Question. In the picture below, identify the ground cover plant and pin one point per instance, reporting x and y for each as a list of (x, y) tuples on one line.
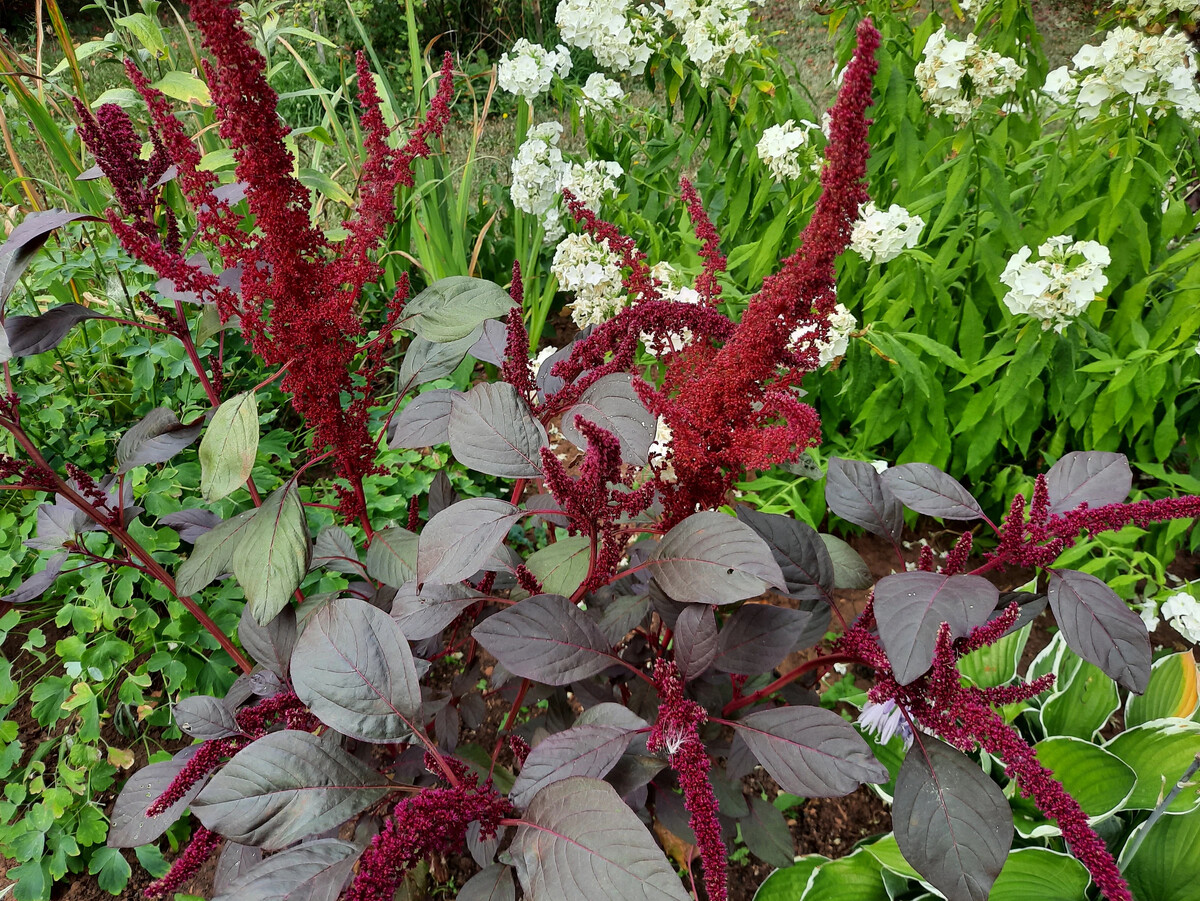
[(609, 592)]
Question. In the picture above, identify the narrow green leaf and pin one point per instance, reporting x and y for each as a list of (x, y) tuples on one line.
[(228, 447), (272, 560)]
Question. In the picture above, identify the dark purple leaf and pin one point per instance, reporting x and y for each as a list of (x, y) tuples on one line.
[(1028, 603), (580, 840), (766, 834), (492, 431), (711, 558), (129, 826), (548, 384), (854, 492), (910, 607), (270, 645), (333, 549), (672, 815), (548, 503), (313, 871), (695, 640), (623, 615), (1100, 627), (285, 786), (456, 542), (191, 523), (802, 557), (492, 883), (90, 174), (952, 822), (425, 361), (492, 344), (730, 797), (928, 490), (453, 307), (235, 861), (589, 750), (1092, 477), (231, 194), (423, 614), (392, 556), (204, 717), (446, 725), (168, 288), (758, 636), (482, 850), (810, 751), (441, 494), (25, 241), (425, 421), (545, 638), (849, 569), (611, 714), (612, 404), (35, 586), (58, 523), (155, 439), (29, 335), (353, 668)]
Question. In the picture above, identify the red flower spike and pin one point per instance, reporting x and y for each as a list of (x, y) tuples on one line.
[(186, 865), (714, 261)]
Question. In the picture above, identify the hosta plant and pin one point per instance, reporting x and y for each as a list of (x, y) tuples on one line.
[(605, 589)]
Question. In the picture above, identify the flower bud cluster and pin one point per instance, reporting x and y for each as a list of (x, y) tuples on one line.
[(882, 235), (1059, 286), (528, 69), (955, 77), (788, 149), (1155, 72)]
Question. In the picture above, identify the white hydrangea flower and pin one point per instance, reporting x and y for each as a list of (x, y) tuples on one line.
[(538, 171), (1149, 614), (591, 181), (1182, 611), (1060, 285), (660, 452), (955, 77), (672, 288), (841, 324), (543, 355), (712, 31), (600, 93), (621, 35), (593, 272), (1156, 72), (528, 69), (1147, 11), (882, 235), (782, 147)]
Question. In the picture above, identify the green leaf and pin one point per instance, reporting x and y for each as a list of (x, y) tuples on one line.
[(1171, 692), (561, 567), (321, 183), (184, 87), (111, 870), (392, 556), (1098, 779), (212, 554), (228, 447), (853, 878), (1159, 752), (32, 880), (1166, 867), (788, 883), (452, 307), (1042, 874), (1084, 701), (272, 559), (996, 664)]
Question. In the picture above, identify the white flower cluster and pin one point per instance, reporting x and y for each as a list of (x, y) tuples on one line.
[(591, 181), (787, 149), (537, 175), (601, 94), (712, 31), (528, 69), (671, 287), (882, 235), (619, 34), (1182, 611), (591, 270), (1059, 286), (841, 324), (955, 77), (1147, 11), (660, 452), (1154, 71)]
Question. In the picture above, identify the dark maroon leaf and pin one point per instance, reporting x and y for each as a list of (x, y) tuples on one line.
[(392, 556), (854, 492), (482, 850), (90, 174), (758, 636), (551, 384), (204, 717), (29, 335), (623, 615), (35, 586), (928, 490), (353, 668), (910, 607), (155, 439), (610, 714), (545, 638), (1028, 603), (695, 640), (672, 815), (492, 344), (766, 834), (810, 751), (129, 826), (952, 822), (234, 862), (1092, 477), (334, 549), (579, 840), (1100, 627), (425, 421), (191, 523), (589, 750), (711, 558), (168, 288), (313, 871), (271, 645), (492, 883), (612, 404), (441, 494), (456, 542), (285, 786), (802, 556), (25, 241), (730, 797), (58, 523), (492, 431), (423, 614), (425, 361)]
